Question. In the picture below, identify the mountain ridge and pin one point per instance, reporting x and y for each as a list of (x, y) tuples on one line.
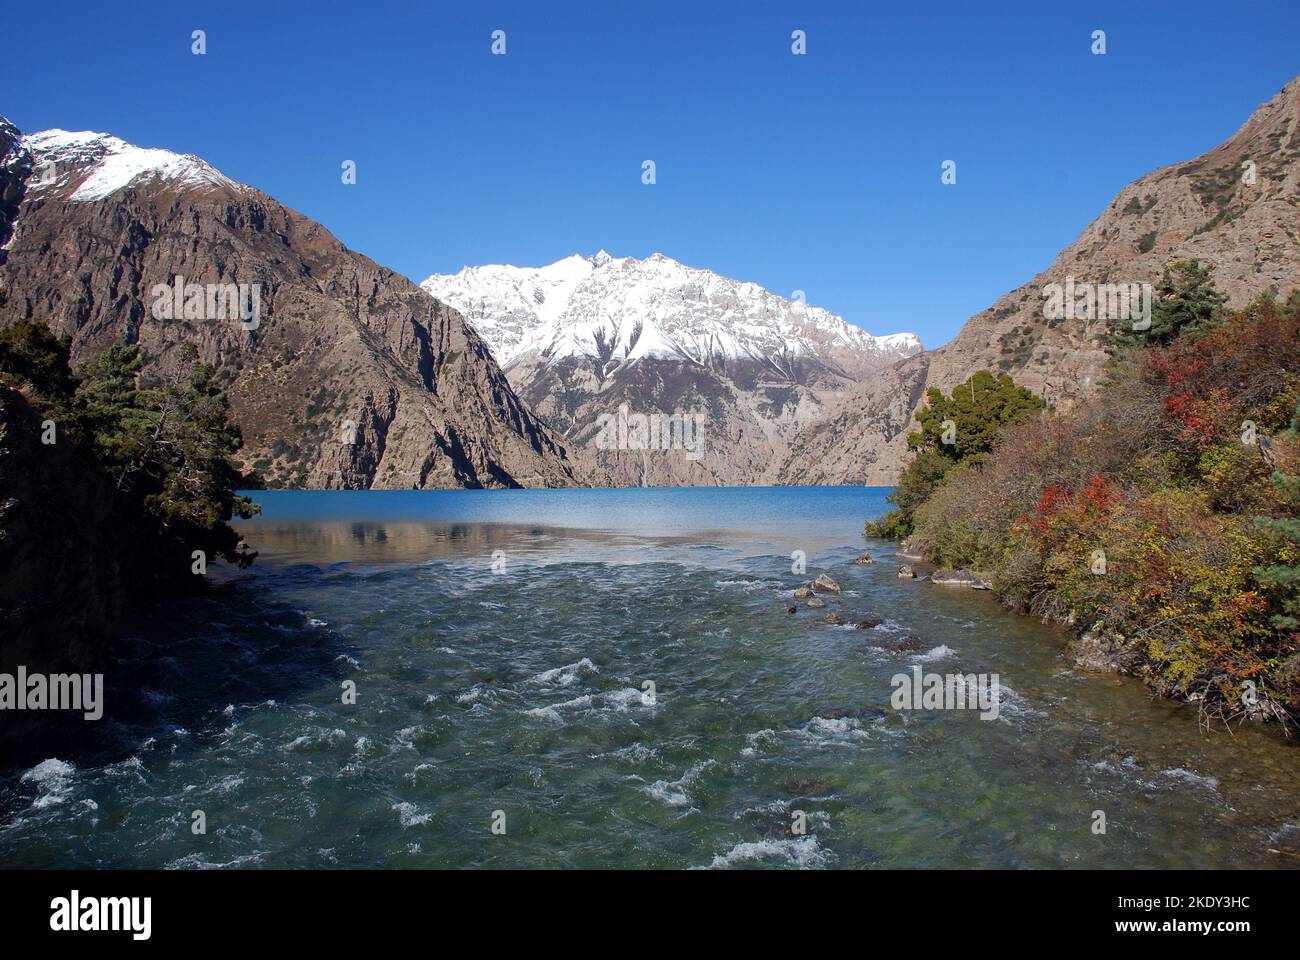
[(353, 378), (584, 336), (1202, 208)]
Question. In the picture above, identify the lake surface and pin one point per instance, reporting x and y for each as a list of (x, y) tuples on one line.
[(500, 643)]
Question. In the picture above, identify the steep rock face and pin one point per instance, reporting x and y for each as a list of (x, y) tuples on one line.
[(587, 339), (15, 168), (863, 440), (351, 376), (1204, 208)]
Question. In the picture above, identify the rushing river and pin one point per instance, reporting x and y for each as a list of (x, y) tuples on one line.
[(500, 644)]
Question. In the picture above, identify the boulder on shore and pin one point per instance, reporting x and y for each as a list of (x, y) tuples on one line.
[(959, 578), (824, 584), (1104, 652)]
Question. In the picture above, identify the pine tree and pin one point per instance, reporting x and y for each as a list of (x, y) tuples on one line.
[(978, 410), (959, 427), (1185, 301)]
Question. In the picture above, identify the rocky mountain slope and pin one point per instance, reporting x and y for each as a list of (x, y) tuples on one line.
[(351, 376), (584, 337), (1206, 208)]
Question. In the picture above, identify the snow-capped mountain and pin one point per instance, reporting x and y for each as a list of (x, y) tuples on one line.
[(101, 165), (586, 336), (619, 309), (90, 225)]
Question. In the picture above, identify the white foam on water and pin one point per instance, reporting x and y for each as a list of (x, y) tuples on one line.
[(673, 792), (624, 699), (746, 584), (553, 712), (1187, 776), (193, 861), (937, 653), (635, 752), (52, 778), (319, 738), (1012, 704), (833, 726), (409, 815), (801, 852), (564, 676), (615, 701), (226, 784)]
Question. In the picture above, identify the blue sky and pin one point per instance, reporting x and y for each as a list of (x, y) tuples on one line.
[(818, 172)]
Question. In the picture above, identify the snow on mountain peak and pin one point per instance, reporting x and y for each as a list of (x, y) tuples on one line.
[(624, 309), (101, 164)]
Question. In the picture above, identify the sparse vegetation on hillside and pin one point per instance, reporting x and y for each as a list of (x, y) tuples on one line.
[(1161, 518)]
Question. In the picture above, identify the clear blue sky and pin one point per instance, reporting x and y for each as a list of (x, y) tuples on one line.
[(818, 172)]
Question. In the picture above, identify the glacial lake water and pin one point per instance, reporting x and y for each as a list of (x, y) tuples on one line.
[(500, 643)]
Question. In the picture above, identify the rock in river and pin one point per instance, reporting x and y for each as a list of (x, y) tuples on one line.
[(824, 584)]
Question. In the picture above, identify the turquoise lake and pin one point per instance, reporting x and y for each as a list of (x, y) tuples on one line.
[(501, 644)]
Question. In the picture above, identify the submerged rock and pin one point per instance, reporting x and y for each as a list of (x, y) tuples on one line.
[(824, 584), (815, 602), (869, 623), (834, 619), (906, 645)]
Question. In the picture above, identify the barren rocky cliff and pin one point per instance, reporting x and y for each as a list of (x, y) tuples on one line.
[(1236, 208), (351, 377)]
